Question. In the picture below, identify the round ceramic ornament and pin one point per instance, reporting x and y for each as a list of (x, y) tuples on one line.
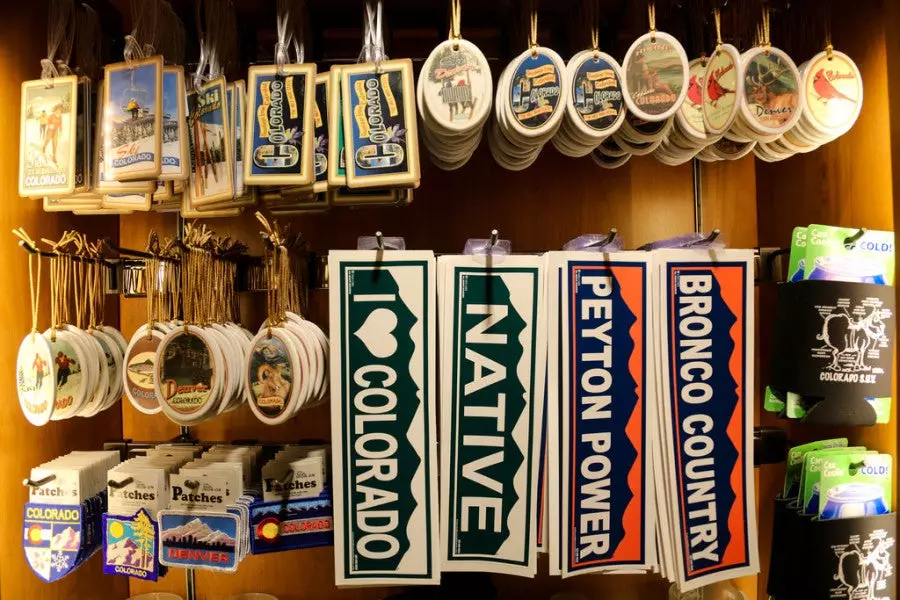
[(323, 352), (636, 148), (36, 379), (770, 104), (607, 162), (722, 89), (73, 363), (97, 401), (638, 130), (610, 149), (116, 335), (114, 363), (230, 372), (595, 104), (456, 86), (189, 373), (535, 93), (140, 370), (832, 93), (726, 149), (656, 76)]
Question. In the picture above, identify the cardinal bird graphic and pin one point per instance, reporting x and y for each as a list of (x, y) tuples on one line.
[(826, 91), (694, 92), (715, 90)]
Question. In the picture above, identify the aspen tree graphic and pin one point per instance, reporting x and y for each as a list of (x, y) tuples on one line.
[(144, 536)]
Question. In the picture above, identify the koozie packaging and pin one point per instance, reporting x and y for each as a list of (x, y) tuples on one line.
[(704, 303), (856, 484), (794, 462), (383, 417)]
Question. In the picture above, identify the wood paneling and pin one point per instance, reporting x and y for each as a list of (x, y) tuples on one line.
[(22, 445)]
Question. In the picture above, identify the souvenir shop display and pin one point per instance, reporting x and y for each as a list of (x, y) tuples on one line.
[(282, 97), (600, 343), (493, 361), (162, 285), (74, 368), (66, 500), (532, 94), (286, 364), (703, 450), (833, 362), (383, 412), (198, 370), (452, 415), (595, 104), (348, 137), (381, 144), (454, 95), (834, 513)]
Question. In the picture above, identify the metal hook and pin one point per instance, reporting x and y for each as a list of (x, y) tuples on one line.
[(713, 235), (118, 485), (40, 482), (379, 240), (609, 239), (288, 477), (850, 242), (495, 235)]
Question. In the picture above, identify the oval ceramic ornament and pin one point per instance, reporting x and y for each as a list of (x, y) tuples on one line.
[(187, 369), (536, 93), (771, 101), (656, 76), (457, 86), (833, 93), (596, 105), (36, 379), (722, 89)]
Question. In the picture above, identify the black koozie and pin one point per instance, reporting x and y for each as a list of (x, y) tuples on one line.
[(834, 342), (852, 559)]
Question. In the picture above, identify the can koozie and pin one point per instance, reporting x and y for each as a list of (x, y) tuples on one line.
[(603, 338), (492, 364), (383, 417), (705, 299)]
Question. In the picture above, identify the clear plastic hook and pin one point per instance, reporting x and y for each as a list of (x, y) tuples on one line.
[(689, 240), (380, 242), (492, 246), (595, 242)]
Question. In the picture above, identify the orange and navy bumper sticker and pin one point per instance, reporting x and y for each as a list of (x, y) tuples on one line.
[(605, 506), (709, 337)]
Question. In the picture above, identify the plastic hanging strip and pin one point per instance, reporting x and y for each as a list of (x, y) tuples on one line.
[(61, 13)]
